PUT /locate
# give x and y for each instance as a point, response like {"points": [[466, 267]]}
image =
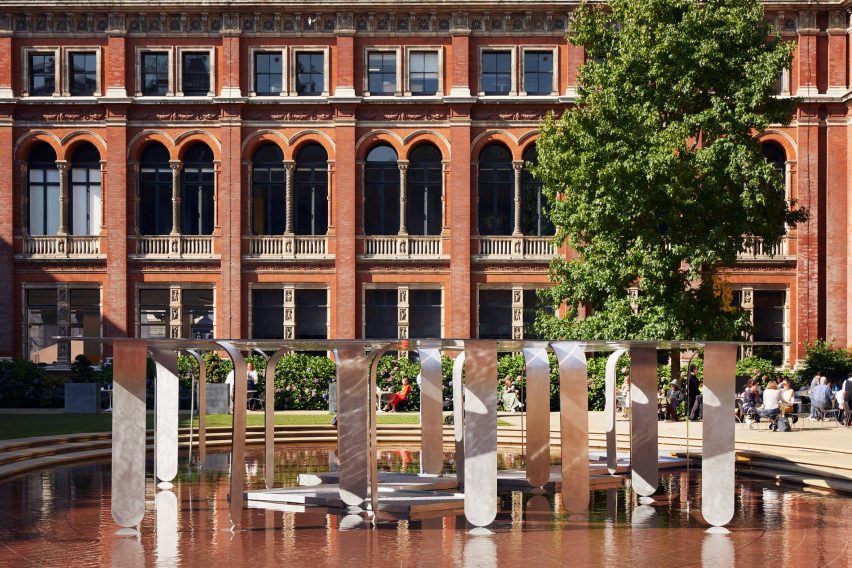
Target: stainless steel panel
{"points": [[431, 412], [238, 436], [717, 451], [480, 432], [538, 415], [269, 416], [458, 416], [373, 437], [609, 410], [574, 425], [128, 431], [202, 405], [166, 399], [643, 423], [353, 379]]}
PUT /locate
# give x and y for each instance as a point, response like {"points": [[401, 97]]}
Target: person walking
{"points": [[692, 390]]}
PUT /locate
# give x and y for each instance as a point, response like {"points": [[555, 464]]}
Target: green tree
{"points": [[655, 176]]}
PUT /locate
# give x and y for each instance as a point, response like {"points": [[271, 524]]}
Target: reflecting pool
{"points": [[61, 517]]}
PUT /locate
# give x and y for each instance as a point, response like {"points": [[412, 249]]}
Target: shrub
{"points": [[747, 365], [23, 384], [81, 370], [835, 362]]}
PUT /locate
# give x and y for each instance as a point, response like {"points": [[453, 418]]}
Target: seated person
{"points": [[399, 396], [674, 399], [788, 400], [510, 396], [821, 398], [750, 401], [771, 401]]}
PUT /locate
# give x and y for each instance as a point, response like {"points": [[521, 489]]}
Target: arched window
{"points": [[424, 187], [155, 191], [43, 189], [268, 197], [534, 222], [197, 191], [85, 204], [496, 191], [310, 192], [775, 155], [381, 192]]}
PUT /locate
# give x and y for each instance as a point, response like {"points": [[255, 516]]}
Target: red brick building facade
{"points": [[355, 169]]}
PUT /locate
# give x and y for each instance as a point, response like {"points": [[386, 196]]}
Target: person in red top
{"points": [[399, 396]]}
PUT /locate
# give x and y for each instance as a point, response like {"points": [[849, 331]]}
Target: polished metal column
{"points": [[238, 433], [538, 415], [431, 412], [128, 432], [609, 410], [574, 425], [458, 417], [353, 377], [717, 445], [202, 405], [269, 415], [480, 432], [643, 423], [166, 398]]}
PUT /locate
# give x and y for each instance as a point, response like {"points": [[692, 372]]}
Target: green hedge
{"points": [[835, 362], [24, 384]]}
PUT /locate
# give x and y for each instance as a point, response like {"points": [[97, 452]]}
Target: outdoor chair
{"points": [[254, 402]]}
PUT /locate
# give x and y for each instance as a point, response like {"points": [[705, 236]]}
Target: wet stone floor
{"points": [[61, 517]]}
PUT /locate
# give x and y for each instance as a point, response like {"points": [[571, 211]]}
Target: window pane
{"points": [[533, 305], [42, 325], [196, 74], [309, 73], [495, 314], [268, 73], [380, 318], [311, 314], [155, 74], [267, 310], [425, 314], [198, 316], [538, 72]]}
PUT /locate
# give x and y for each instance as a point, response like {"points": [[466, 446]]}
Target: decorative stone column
{"points": [[289, 312], [402, 312], [403, 196], [176, 166], [289, 168], [747, 303], [518, 166], [517, 312], [63, 321], [63, 166], [175, 308], [289, 238]]}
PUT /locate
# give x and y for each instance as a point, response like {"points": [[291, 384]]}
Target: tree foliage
{"points": [[655, 176]]}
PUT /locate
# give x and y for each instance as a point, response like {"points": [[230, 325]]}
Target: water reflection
{"points": [[62, 515]]}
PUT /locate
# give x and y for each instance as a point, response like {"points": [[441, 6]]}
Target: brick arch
{"points": [[26, 142], [527, 140], [74, 139], [138, 143], [187, 139], [486, 138], [420, 137], [257, 139], [782, 139], [305, 137], [368, 141]]}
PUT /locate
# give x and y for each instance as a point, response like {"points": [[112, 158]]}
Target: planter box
{"points": [[218, 397], [82, 398]]}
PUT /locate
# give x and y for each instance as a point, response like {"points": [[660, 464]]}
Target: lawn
{"points": [[26, 425]]}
